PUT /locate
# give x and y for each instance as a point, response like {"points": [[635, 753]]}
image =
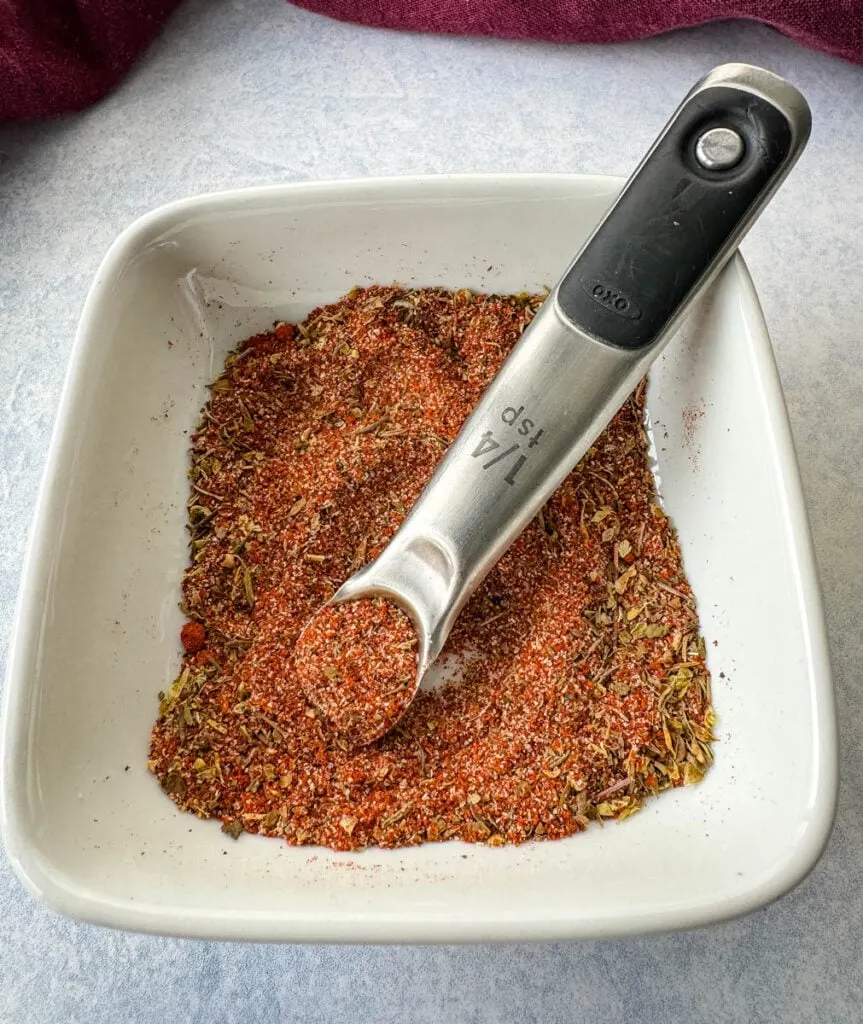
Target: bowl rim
{"points": [[54, 890]]}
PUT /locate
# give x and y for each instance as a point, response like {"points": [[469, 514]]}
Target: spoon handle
{"points": [[673, 227]]}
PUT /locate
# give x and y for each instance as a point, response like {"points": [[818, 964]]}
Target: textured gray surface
{"points": [[250, 92]]}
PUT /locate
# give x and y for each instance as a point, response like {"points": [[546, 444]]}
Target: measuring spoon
{"points": [[674, 226]]}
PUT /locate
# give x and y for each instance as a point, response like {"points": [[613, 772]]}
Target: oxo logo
{"points": [[612, 299]]}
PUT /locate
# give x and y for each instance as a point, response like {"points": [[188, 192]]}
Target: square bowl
{"points": [[86, 825]]}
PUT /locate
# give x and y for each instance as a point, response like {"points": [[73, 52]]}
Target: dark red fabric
{"points": [[61, 55], [835, 26]]}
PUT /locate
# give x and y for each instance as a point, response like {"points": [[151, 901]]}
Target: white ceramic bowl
{"points": [[87, 827]]}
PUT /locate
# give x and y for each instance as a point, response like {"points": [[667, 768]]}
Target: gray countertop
{"points": [[243, 92]]}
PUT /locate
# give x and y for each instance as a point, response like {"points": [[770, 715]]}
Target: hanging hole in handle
{"points": [[762, 128], [719, 148]]}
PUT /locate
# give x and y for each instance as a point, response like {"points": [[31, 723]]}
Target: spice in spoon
{"points": [[357, 663]]}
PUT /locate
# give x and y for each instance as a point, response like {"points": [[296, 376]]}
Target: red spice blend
{"points": [[193, 637], [357, 663], [585, 684]]}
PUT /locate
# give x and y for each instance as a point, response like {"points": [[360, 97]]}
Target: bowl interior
{"points": [[86, 824]]}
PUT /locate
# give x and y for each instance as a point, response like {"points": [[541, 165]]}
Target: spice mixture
{"points": [[584, 686], [357, 663]]}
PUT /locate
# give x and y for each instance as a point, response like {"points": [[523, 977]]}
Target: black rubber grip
{"points": [[664, 233]]}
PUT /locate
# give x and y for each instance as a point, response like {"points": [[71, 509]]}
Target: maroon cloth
{"points": [[61, 55], [835, 26]]}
